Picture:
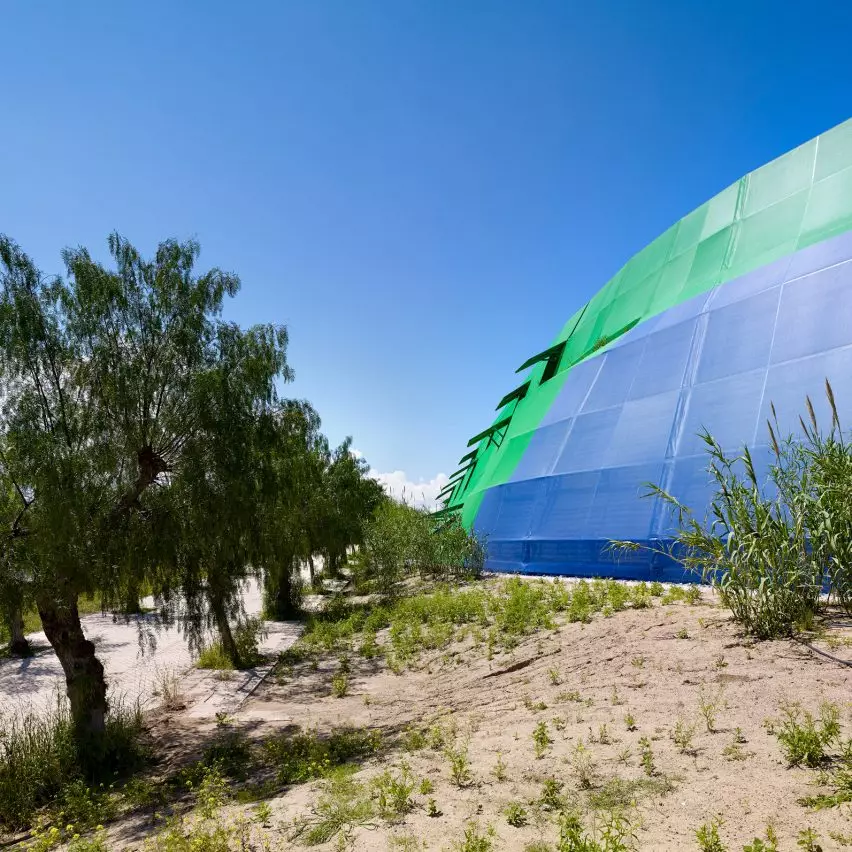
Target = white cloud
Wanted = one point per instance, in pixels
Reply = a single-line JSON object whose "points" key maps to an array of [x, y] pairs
{"points": [[422, 493]]}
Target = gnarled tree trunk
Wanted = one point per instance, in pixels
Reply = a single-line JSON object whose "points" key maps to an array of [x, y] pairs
{"points": [[84, 674], [19, 646]]}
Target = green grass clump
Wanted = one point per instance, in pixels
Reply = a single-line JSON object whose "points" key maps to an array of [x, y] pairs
{"points": [[213, 656], [345, 804], [305, 756], [40, 764]]}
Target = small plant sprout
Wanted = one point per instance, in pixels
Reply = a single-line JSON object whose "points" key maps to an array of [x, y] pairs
{"points": [[720, 662], [708, 837], [682, 736], [459, 761], [808, 840], [516, 814], [638, 662], [426, 786], [583, 766], [541, 739], [499, 770], [555, 679], [474, 841], [551, 795], [263, 813], [769, 844], [616, 698], [630, 722], [709, 705], [339, 685], [432, 809], [647, 756], [683, 633]]}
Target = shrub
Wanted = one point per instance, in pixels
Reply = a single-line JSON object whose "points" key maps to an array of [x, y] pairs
{"points": [[248, 635], [40, 763], [771, 546], [802, 738], [402, 541]]}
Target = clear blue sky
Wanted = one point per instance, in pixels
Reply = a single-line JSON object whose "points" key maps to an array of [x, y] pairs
{"points": [[422, 191]]}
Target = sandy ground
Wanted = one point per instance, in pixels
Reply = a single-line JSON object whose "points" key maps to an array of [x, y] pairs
{"points": [[136, 653], [650, 664]]}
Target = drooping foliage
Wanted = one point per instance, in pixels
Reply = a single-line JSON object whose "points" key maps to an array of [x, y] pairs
{"points": [[144, 445]]}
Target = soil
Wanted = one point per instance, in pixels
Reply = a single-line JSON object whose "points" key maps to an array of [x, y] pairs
{"points": [[582, 680]]}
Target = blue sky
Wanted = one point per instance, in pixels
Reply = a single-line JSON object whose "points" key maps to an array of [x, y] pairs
{"points": [[422, 191]]}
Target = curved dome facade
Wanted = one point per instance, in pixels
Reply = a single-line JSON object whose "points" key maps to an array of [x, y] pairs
{"points": [[745, 301]]}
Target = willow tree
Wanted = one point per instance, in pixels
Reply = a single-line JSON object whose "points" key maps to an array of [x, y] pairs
{"points": [[349, 498], [104, 373]]}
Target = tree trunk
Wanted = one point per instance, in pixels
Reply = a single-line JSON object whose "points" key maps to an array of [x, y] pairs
{"points": [[312, 570], [84, 674], [281, 598], [19, 646], [226, 637], [132, 605], [333, 565]]}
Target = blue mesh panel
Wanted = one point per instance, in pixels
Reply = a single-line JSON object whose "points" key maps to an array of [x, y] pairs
{"points": [[616, 376], [820, 256], [738, 337], [643, 429], [574, 391], [632, 415], [542, 452], [814, 314], [664, 362], [588, 442], [787, 384], [727, 408], [517, 507], [566, 507], [619, 504]]}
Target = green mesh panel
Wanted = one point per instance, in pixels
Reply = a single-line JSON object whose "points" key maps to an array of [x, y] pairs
{"points": [[795, 201]]}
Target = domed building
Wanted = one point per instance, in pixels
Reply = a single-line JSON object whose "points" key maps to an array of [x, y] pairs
{"points": [[745, 302]]}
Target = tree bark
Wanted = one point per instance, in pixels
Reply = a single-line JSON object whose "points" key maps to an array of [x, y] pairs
{"points": [[19, 646], [226, 637], [281, 599], [131, 600], [312, 570], [84, 674]]}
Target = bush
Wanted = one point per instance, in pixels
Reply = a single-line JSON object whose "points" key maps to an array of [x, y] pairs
{"points": [[803, 739], [402, 541], [772, 547], [40, 764]]}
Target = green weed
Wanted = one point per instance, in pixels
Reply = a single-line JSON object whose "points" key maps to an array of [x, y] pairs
{"points": [[803, 738], [516, 814], [541, 739]]}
